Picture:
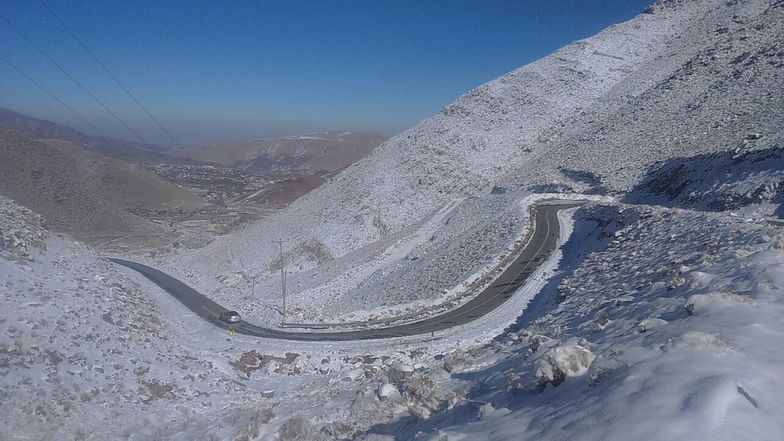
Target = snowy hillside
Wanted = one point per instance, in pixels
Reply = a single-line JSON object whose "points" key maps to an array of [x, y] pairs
{"points": [[662, 324], [658, 316], [81, 342], [87, 353], [683, 79], [90, 352]]}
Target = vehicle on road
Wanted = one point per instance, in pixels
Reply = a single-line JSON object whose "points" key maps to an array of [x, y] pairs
{"points": [[231, 317]]}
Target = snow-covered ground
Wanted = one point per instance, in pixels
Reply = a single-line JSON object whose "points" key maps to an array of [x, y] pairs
{"points": [[89, 350], [652, 321], [652, 315], [664, 324]]}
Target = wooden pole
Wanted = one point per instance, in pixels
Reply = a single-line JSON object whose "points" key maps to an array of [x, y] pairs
{"points": [[282, 278]]}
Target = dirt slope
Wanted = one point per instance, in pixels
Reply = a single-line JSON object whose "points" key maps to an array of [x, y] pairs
{"points": [[126, 150], [82, 192]]}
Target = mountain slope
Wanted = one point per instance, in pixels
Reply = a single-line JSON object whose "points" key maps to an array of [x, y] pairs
{"points": [[687, 78], [82, 192], [116, 148], [650, 322]]}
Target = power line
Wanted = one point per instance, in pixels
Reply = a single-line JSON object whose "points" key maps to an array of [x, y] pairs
{"points": [[114, 77], [53, 96], [62, 69]]}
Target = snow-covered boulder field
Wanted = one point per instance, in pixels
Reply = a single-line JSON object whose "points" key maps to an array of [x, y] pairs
{"points": [[664, 324]]}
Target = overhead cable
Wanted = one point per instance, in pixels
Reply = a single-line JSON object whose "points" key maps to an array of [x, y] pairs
{"points": [[108, 72], [52, 95], [75, 81]]}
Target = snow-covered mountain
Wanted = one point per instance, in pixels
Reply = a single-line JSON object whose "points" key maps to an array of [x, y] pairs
{"points": [[683, 79], [658, 318]]}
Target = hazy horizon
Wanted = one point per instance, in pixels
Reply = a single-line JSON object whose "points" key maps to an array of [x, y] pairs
{"points": [[214, 73]]}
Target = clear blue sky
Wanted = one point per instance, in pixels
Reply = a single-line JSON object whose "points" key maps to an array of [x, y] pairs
{"points": [[227, 70]]}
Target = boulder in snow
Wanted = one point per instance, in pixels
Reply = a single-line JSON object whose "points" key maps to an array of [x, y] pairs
{"points": [[561, 361], [455, 361], [388, 391], [699, 303], [353, 374], [650, 323], [399, 371], [603, 367]]}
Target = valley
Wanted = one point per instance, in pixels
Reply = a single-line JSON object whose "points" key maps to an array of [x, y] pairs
{"points": [[149, 200]]}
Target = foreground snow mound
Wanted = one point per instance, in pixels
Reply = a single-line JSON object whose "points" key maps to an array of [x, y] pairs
{"points": [[666, 324], [86, 353]]}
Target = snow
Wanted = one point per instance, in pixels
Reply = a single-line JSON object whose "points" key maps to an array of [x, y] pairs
{"points": [[388, 391], [135, 351], [709, 371], [652, 322], [90, 351]]}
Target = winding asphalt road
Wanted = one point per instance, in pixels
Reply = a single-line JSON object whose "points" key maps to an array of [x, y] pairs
{"points": [[541, 244]]}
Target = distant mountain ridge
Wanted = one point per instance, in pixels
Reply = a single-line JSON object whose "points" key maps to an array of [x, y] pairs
{"points": [[42, 129], [320, 152]]}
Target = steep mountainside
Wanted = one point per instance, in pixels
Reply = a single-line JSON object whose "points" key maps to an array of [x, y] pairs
{"points": [[685, 78], [82, 192], [319, 153], [86, 353], [116, 148]]}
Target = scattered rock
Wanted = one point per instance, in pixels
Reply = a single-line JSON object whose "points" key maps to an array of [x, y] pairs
{"points": [[388, 391], [561, 361], [650, 323]]}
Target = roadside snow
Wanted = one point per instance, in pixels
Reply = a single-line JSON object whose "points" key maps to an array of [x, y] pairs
{"points": [[710, 289]]}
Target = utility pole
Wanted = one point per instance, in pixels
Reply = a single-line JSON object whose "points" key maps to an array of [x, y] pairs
{"points": [[282, 277]]}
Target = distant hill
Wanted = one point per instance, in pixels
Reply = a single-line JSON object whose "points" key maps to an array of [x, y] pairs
{"points": [[320, 153], [82, 192], [116, 148]]}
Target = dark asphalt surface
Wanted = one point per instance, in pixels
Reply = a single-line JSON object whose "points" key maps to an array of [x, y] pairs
{"points": [[541, 244]]}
